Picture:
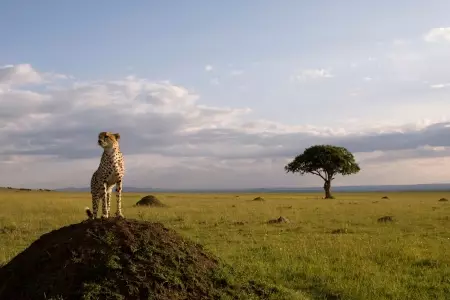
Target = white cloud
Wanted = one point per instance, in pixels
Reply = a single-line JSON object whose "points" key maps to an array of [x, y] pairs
{"points": [[16, 75], [312, 74], [425, 151], [171, 139], [440, 85], [13, 76], [208, 68], [440, 34], [406, 171]]}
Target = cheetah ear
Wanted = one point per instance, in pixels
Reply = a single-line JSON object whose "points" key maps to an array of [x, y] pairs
{"points": [[117, 136]]}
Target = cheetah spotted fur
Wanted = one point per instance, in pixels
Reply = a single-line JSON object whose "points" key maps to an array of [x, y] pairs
{"points": [[110, 172]]}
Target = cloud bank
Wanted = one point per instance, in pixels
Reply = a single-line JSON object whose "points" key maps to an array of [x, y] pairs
{"points": [[49, 124]]}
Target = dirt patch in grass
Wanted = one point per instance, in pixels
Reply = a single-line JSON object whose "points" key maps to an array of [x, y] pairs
{"points": [[120, 259], [8, 229], [426, 263], [239, 223], [280, 220], [150, 200], [341, 231]]}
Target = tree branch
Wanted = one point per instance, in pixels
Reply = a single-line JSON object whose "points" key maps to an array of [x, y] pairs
{"points": [[318, 174]]}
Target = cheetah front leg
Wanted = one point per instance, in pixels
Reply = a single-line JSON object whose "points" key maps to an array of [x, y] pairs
{"points": [[108, 201], [105, 201], [95, 200], [119, 199]]}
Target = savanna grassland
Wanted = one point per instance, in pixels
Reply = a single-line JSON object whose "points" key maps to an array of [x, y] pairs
{"points": [[330, 249]]}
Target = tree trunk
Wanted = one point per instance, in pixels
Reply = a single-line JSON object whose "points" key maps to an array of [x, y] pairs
{"points": [[327, 189]]}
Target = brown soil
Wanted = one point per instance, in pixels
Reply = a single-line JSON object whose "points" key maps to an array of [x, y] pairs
{"points": [[150, 200], [119, 259]]}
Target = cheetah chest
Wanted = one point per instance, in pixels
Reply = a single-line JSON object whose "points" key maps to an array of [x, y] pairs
{"points": [[112, 174], [113, 177]]}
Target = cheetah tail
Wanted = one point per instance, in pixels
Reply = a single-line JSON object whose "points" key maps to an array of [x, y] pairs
{"points": [[89, 213]]}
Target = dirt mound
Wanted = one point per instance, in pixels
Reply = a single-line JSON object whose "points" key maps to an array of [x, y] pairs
{"points": [[385, 219], [443, 200], [150, 200], [259, 199], [120, 259]]}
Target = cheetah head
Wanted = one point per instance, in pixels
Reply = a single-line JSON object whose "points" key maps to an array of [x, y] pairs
{"points": [[108, 139]]}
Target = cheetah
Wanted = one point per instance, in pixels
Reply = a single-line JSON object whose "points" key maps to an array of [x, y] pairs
{"points": [[110, 172]]}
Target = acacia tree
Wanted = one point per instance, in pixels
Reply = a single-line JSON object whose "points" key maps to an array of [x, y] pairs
{"points": [[325, 161]]}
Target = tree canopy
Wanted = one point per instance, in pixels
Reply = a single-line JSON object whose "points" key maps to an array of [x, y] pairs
{"points": [[325, 161]]}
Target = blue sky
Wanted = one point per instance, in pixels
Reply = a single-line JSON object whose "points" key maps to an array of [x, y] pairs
{"points": [[353, 67]]}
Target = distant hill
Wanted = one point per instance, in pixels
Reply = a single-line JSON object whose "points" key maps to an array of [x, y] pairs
{"points": [[360, 188], [9, 188]]}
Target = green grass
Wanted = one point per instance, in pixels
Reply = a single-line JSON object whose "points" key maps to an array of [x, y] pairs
{"points": [[407, 259]]}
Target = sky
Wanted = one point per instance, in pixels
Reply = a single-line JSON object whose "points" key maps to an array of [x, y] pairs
{"points": [[223, 94]]}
